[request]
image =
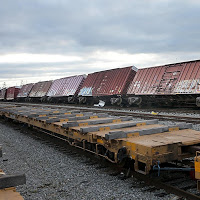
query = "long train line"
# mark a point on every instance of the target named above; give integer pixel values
(175, 85)
(171, 184)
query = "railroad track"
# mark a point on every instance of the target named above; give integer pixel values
(177, 118)
(161, 186)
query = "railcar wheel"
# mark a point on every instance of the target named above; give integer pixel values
(121, 155)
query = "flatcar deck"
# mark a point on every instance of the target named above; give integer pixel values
(113, 137)
(10, 193)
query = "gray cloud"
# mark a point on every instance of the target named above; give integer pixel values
(166, 28)
(75, 26)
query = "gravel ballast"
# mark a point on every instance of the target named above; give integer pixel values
(55, 175)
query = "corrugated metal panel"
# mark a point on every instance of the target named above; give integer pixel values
(87, 87)
(12, 93)
(25, 90)
(40, 89)
(109, 82)
(189, 80)
(2, 94)
(74, 85)
(167, 79)
(56, 87)
(146, 81)
(66, 86)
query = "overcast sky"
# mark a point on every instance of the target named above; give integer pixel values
(49, 39)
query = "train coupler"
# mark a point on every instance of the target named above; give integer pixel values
(178, 169)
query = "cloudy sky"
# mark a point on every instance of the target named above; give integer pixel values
(49, 39)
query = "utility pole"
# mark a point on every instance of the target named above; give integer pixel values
(4, 85)
(22, 83)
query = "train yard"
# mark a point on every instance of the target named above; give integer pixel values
(137, 141)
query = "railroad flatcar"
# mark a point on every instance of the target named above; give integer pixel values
(11, 93)
(39, 91)
(65, 89)
(24, 92)
(107, 85)
(171, 84)
(142, 144)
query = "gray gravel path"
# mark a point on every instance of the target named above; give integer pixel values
(54, 175)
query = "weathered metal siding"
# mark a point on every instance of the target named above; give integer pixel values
(56, 87)
(73, 87)
(110, 82)
(12, 93)
(66, 86)
(25, 90)
(189, 80)
(167, 79)
(40, 89)
(146, 81)
(87, 87)
(2, 94)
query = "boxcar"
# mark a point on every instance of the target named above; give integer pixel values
(109, 85)
(65, 89)
(171, 84)
(24, 91)
(39, 91)
(3, 94)
(11, 93)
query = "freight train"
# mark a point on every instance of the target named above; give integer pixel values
(176, 84)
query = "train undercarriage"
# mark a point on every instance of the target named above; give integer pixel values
(178, 100)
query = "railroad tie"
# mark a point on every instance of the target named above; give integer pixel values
(7, 181)
(73, 117)
(147, 131)
(117, 126)
(97, 121)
